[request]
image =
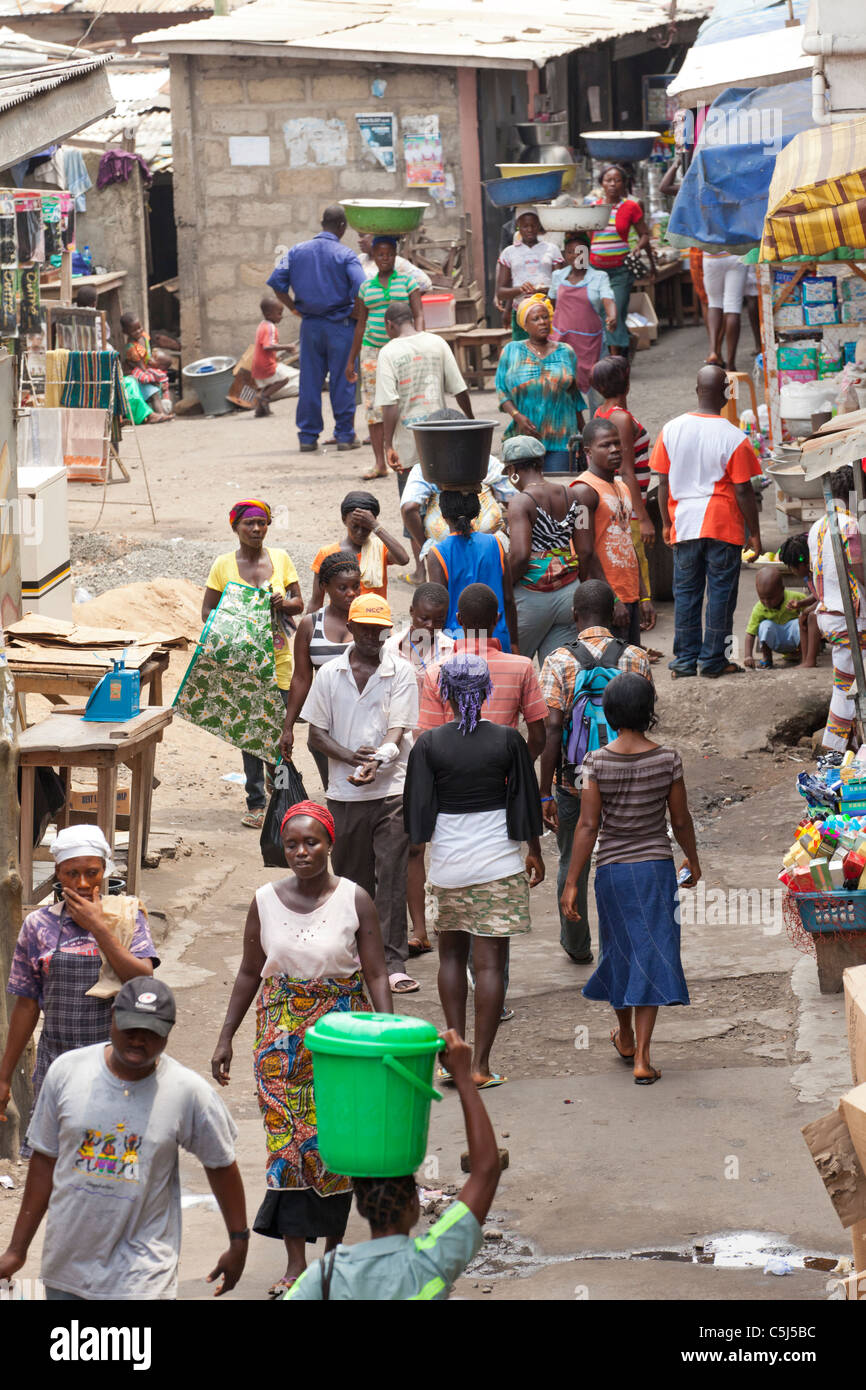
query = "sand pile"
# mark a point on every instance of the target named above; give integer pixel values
(170, 605)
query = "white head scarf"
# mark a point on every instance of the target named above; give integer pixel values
(78, 841)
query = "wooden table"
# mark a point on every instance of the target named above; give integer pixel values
(108, 287)
(469, 350)
(58, 682)
(671, 277)
(64, 741)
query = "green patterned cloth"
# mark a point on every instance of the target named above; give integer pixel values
(230, 686)
(498, 908)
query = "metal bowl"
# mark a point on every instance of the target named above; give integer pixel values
(792, 480)
(588, 219)
(454, 454)
(528, 188)
(619, 144)
(543, 132)
(369, 215)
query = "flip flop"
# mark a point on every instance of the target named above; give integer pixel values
(418, 948)
(403, 984)
(253, 820)
(648, 1080)
(281, 1287)
(368, 477)
(729, 669)
(624, 1057)
(682, 675)
(494, 1080)
(444, 1076)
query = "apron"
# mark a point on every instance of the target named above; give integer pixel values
(576, 324)
(70, 1018)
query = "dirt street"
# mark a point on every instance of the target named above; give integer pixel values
(679, 1190)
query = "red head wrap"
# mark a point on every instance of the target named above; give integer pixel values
(250, 504)
(313, 809)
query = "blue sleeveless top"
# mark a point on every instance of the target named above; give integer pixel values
(474, 559)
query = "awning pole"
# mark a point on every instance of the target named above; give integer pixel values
(847, 605)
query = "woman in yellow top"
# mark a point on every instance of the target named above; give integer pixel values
(255, 564)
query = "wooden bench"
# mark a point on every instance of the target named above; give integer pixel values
(469, 351)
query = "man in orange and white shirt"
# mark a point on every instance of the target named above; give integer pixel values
(708, 505)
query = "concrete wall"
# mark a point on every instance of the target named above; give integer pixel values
(113, 228)
(231, 218)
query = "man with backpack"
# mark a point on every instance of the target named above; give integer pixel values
(573, 680)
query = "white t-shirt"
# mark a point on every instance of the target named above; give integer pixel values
(473, 847)
(415, 373)
(114, 1225)
(532, 265)
(823, 562)
(356, 718)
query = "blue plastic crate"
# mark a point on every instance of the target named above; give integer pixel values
(832, 911)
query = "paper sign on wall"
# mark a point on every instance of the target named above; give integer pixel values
(311, 140)
(377, 135)
(249, 149)
(423, 155)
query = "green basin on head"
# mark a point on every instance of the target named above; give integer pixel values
(383, 218)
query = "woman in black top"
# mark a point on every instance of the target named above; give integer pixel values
(471, 792)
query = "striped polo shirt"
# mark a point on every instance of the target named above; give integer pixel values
(377, 297)
(516, 690)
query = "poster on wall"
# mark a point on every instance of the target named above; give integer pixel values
(424, 166)
(377, 135)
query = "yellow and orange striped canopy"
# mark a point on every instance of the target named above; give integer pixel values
(817, 199)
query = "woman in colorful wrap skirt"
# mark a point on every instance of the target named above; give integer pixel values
(471, 793)
(628, 786)
(312, 946)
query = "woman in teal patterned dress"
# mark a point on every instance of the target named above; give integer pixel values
(536, 381)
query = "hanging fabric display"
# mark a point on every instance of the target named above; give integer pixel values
(51, 220)
(8, 302)
(8, 233)
(230, 686)
(31, 230)
(30, 307)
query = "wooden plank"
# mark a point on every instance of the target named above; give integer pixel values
(66, 736)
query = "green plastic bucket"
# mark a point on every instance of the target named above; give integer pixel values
(372, 1076)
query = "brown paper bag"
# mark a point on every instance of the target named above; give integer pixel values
(121, 913)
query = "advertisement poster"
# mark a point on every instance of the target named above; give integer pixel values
(423, 155)
(377, 134)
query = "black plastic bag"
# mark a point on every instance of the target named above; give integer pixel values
(288, 789)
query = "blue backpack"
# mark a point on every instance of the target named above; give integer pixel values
(586, 728)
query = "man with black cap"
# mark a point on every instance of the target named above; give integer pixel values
(105, 1135)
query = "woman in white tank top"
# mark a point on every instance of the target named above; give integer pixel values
(313, 943)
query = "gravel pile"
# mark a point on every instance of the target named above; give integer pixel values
(101, 562)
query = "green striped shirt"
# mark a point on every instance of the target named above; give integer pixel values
(399, 1268)
(377, 297)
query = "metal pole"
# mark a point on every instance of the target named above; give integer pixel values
(847, 606)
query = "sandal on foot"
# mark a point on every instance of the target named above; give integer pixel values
(681, 675)
(623, 1056)
(444, 1076)
(402, 984)
(281, 1287)
(253, 820)
(730, 668)
(648, 1080)
(418, 948)
(494, 1080)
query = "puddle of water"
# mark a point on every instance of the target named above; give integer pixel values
(726, 1250)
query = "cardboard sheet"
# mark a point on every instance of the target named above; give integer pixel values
(854, 982)
(841, 1172)
(30, 657)
(853, 1107)
(38, 628)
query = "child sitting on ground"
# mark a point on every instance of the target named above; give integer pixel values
(774, 620)
(794, 552)
(148, 367)
(271, 377)
(391, 1266)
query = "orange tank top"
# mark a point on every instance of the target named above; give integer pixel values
(613, 543)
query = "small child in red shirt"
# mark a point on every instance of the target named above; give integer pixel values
(270, 376)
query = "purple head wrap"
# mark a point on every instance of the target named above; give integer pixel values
(465, 679)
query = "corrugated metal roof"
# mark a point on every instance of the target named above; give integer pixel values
(466, 33)
(744, 62)
(17, 50)
(143, 106)
(16, 87)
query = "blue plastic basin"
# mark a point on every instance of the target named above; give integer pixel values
(525, 188)
(624, 146)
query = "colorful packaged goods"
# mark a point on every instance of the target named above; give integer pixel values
(820, 313)
(819, 289)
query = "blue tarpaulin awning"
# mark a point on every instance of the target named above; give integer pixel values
(723, 199)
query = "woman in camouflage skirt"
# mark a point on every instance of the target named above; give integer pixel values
(471, 793)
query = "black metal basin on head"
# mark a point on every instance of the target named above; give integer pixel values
(454, 454)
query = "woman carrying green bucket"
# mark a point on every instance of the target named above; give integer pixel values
(312, 942)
